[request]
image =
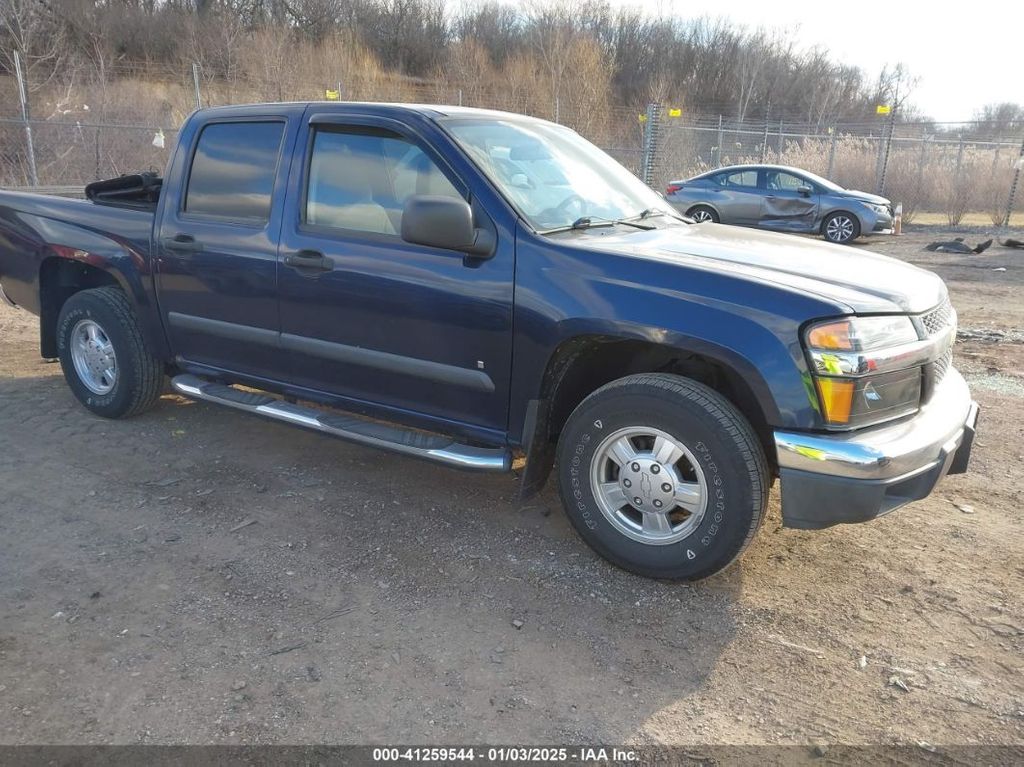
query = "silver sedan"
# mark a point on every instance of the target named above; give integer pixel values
(781, 199)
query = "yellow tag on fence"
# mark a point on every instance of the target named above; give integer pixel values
(882, 109)
(675, 112)
(332, 95)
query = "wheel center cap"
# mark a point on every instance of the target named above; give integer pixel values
(647, 484)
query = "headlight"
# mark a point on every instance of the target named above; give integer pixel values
(866, 369)
(878, 208)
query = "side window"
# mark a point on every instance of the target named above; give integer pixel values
(743, 178)
(361, 180)
(233, 170)
(781, 180)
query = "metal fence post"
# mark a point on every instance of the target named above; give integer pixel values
(26, 116)
(888, 149)
(721, 139)
(1013, 186)
(959, 158)
(764, 142)
(650, 143)
(195, 84)
(920, 163)
(831, 152)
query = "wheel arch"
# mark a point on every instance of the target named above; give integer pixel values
(703, 204)
(68, 271)
(584, 363)
(834, 211)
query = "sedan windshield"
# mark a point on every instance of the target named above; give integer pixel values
(552, 175)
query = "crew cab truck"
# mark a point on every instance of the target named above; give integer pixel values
(472, 287)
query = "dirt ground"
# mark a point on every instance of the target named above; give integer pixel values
(378, 599)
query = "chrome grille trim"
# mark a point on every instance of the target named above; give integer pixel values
(942, 365)
(938, 319)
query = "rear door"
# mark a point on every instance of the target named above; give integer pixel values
(784, 207)
(416, 333)
(737, 198)
(217, 242)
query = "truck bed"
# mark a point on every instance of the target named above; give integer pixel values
(32, 226)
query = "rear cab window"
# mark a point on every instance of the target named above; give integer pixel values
(233, 171)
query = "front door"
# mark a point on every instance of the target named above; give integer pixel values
(415, 332)
(789, 204)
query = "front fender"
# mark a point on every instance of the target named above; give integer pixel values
(749, 326)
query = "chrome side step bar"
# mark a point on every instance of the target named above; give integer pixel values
(432, 447)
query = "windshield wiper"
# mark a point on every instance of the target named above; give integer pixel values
(590, 222)
(652, 212)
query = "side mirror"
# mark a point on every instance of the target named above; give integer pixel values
(805, 190)
(445, 222)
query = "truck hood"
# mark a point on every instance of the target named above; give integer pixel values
(862, 281)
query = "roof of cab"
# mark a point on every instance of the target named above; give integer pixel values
(383, 109)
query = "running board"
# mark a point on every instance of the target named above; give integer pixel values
(432, 447)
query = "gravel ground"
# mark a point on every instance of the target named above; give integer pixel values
(196, 575)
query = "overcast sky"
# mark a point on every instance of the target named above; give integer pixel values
(965, 54)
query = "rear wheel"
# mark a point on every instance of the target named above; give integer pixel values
(841, 228)
(702, 213)
(662, 476)
(104, 355)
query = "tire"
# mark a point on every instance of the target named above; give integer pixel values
(723, 453)
(840, 227)
(702, 213)
(102, 319)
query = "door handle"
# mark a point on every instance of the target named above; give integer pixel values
(309, 259)
(183, 242)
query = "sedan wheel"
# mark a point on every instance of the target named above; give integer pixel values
(841, 228)
(702, 213)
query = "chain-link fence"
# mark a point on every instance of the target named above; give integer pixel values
(950, 169)
(944, 170)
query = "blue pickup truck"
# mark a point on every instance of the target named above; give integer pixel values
(490, 291)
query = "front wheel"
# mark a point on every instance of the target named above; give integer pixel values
(104, 355)
(841, 228)
(662, 476)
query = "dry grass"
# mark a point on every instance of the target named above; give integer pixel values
(937, 218)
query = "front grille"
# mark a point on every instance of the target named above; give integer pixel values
(942, 366)
(938, 319)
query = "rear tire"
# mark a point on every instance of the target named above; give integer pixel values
(702, 213)
(104, 355)
(662, 476)
(841, 228)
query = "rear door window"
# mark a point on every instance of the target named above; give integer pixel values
(743, 178)
(233, 171)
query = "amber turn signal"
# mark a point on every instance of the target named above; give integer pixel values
(836, 399)
(834, 335)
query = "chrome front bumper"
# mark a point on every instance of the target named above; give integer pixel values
(829, 479)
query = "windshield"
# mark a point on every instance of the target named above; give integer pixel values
(832, 186)
(553, 176)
